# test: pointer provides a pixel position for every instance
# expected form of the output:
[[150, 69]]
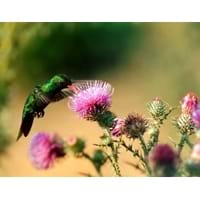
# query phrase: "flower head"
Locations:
[[164, 160], [189, 103], [135, 125], [118, 127], [185, 124], [163, 154], [91, 99], [158, 109], [99, 158], [196, 116], [44, 149]]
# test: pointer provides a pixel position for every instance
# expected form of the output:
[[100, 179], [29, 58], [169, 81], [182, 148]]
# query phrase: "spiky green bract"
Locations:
[[106, 120], [99, 159], [159, 110], [184, 124]]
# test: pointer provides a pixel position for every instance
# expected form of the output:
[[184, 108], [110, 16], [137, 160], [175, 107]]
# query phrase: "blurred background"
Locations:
[[140, 60]]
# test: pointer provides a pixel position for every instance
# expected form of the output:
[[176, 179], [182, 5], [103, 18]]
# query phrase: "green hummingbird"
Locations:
[[55, 89]]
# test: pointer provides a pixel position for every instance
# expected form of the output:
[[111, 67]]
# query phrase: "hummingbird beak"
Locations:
[[72, 88]]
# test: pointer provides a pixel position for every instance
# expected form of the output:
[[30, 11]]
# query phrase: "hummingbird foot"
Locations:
[[39, 114]]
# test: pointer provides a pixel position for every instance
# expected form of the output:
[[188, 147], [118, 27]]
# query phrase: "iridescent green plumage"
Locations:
[[53, 90]]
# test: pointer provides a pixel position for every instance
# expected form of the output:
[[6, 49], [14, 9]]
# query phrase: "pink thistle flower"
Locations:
[[44, 149], [196, 117], [91, 99], [118, 127], [189, 103]]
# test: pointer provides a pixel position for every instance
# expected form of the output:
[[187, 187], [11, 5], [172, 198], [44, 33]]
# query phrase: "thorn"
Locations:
[[85, 174]]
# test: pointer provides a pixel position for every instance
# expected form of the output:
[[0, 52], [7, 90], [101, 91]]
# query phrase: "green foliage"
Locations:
[[4, 140], [6, 75], [79, 49]]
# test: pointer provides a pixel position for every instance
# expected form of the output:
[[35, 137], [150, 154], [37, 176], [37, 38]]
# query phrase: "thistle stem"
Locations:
[[135, 153], [153, 139], [182, 142], [189, 143], [143, 145], [115, 159], [113, 163], [136, 166]]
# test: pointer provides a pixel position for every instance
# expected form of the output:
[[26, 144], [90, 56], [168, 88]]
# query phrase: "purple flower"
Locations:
[[135, 125], [196, 116], [163, 155], [189, 103], [44, 149], [118, 127], [91, 99]]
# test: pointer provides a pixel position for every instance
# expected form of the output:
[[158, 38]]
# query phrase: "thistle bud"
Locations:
[[99, 159], [185, 124], [158, 109]]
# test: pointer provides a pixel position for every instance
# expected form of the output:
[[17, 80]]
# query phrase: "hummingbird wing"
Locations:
[[62, 94], [42, 99]]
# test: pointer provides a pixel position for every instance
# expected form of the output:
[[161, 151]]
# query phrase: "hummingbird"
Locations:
[[53, 90]]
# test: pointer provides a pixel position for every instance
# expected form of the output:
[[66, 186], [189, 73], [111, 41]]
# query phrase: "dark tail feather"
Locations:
[[25, 126]]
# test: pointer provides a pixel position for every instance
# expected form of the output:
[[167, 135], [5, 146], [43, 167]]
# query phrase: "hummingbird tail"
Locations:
[[26, 125]]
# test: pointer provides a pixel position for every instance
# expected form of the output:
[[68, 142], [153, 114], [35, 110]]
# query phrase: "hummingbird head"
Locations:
[[62, 80]]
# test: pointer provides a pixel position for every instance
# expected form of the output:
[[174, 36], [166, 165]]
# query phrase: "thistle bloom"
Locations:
[[44, 149], [196, 117], [164, 160], [91, 99], [189, 103], [135, 125], [163, 155], [118, 127]]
